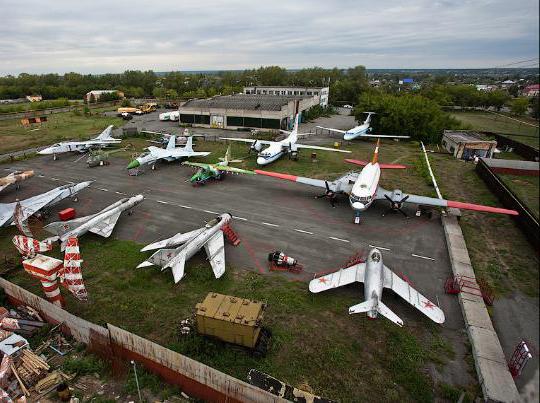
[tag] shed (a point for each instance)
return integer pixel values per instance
(465, 144)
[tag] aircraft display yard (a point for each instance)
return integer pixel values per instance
(316, 342)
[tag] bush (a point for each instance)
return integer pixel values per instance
(126, 102)
(85, 365)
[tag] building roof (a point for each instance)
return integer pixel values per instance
(243, 101)
(99, 92)
(465, 136)
(533, 87)
(285, 86)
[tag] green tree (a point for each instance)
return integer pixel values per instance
(410, 115)
(519, 106)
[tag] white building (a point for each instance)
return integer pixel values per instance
(320, 93)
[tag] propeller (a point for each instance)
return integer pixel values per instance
(396, 202)
(330, 194)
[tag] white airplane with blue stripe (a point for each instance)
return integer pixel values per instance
(360, 131)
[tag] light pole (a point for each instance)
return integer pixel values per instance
(136, 380)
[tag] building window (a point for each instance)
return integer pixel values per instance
(289, 92)
(309, 93)
(259, 92)
(316, 93)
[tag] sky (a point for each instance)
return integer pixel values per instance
(113, 36)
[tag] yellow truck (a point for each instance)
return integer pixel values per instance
(130, 110)
(233, 320)
(149, 107)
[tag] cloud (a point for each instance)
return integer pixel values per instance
(113, 36)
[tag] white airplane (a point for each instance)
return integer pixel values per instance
(103, 140)
(376, 276)
(32, 205)
(276, 149)
(13, 178)
(210, 236)
(101, 223)
(174, 116)
(363, 189)
(360, 131)
(170, 153)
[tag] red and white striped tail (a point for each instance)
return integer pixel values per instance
(29, 247)
(71, 275)
(20, 222)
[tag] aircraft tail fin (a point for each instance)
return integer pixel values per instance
(387, 312)
(368, 117)
(171, 145)
(376, 153)
(106, 134)
(189, 144)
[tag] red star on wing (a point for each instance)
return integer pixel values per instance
(323, 280)
(428, 304)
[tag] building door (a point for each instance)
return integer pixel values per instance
(216, 121)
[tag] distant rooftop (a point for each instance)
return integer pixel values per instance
(284, 86)
(465, 136)
(243, 101)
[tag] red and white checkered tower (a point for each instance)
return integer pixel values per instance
(71, 275)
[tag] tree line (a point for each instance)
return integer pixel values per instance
(345, 84)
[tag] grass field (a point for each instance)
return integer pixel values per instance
(315, 343)
(60, 126)
(524, 187)
(486, 121)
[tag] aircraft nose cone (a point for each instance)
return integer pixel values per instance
(261, 161)
(133, 164)
(45, 151)
(349, 136)
(358, 206)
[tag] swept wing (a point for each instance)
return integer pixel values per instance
(215, 250)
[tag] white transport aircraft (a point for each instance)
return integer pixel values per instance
(187, 244)
(363, 189)
(362, 130)
(276, 149)
(103, 140)
(376, 276)
(169, 153)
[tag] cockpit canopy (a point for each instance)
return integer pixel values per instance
(376, 256)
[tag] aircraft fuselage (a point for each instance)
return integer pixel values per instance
(373, 280)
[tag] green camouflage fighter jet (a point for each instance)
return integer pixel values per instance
(215, 171)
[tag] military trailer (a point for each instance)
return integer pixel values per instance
(234, 320)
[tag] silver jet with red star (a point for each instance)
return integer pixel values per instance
(376, 276)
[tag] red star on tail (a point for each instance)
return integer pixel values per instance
(428, 304)
(323, 280)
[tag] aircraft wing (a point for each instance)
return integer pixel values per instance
(6, 212)
(338, 278)
(177, 265)
(215, 250)
(321, 148)
(413, 297)
(105, 227)
(332, 130)
(196, 164)
(340, 185)
(2, 187)
(266, 142)
(432, 201)
(233, 169)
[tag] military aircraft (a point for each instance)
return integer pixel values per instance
(376, 276)
(363, 189)
(276, 149)
(170, 153)
(101, 223)
(215, 171)
(14, 177)
(32, 205)
(103, 140)
(211, 236)
(362, 130)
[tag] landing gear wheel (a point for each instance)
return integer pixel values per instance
(55, 157)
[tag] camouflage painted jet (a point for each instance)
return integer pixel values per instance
(215, 171)
(170, 153)
(32, 205)
(376, 276)
(14, 177)
(103, 140)
(363, 189)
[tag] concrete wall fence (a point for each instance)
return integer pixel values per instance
(117, 345)
(526, 220)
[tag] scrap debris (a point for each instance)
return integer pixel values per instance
(27, 373)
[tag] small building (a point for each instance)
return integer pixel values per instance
(507, 83)
(531, 90)
(465, 144)
(486, 87)
(270, 112)
(94, 95)
(34, 98)
(321, 93)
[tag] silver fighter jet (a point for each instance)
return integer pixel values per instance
(32, 205)
(102, 223)
(210, 236)
(376, 276)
